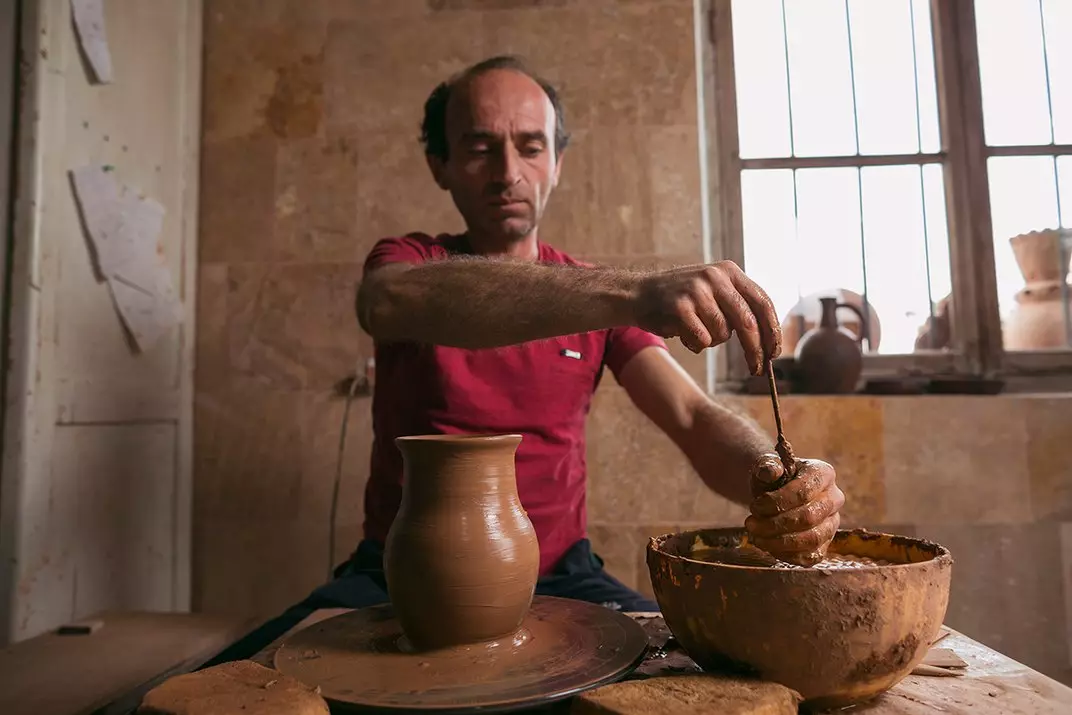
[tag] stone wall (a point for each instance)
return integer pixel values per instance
(310, 154)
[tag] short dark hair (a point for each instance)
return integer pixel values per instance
(434, 125)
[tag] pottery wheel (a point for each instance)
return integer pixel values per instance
(360, 660)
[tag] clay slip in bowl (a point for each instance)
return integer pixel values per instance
(836, 636)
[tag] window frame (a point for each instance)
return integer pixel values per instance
(976, 338)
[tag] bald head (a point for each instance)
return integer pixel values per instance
(436, 108)
(494, 138)
(499, 106)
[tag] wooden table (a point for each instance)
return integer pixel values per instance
(107, 672)
(993, 684)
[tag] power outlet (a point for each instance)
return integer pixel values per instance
(360, 384)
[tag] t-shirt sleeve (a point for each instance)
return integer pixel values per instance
(624, 343)
(394, 250)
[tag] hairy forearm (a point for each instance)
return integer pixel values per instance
(723, 445)
(483, 303)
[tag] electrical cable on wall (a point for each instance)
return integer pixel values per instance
(356, 384)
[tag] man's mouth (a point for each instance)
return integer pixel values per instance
(509, 206)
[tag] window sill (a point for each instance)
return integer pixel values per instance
(918, 382)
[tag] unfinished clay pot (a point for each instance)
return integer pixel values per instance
(461, 557)
(837, 636)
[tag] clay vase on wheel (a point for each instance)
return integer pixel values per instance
(461, 557)
(829, 358)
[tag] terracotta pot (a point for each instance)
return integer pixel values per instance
(1038, 254)
(828, 358)
(461, 556)
(1038, 320)
(836, 636)
(808, 313)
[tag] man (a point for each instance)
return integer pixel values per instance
(496, 331)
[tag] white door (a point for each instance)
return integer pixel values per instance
(96, 475)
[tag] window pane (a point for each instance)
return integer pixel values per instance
(882, 54)
(1013, 72)
(770, 245)
(1023, 198)
(828, 226)
(762, 86)
(1058, 16)
(925, 76)
(900, 207)
(818, 251)
(904, 222)
(820, 77)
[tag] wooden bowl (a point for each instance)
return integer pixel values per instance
(836, 636)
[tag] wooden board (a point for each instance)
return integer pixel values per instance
(111, 668)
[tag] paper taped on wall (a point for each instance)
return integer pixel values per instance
(89, 21)
(124, 230)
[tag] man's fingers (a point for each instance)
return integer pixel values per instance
(694, 333)
(737, 312)
(741, 319)
(763, 309)
(800, 542)
(813, 478)
(801, 518)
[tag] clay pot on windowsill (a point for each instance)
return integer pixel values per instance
(1038, 254)
(829, 358)
(808, 313)
(1038, 320)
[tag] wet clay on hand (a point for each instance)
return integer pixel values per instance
(791, 500)
(461, 557)
(794, 520)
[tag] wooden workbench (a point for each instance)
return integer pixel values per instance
(993, 684)
(108, 670)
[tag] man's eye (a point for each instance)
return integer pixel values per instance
(532, 150)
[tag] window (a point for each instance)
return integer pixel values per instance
(887, 152)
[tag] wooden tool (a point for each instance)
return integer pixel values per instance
(784, 449)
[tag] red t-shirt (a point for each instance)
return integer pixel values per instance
(540, 389)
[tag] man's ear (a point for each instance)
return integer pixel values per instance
(558, 168)
(438, 167)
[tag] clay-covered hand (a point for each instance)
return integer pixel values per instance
(705, 304)
(796, 521)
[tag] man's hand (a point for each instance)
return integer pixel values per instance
(703, 305)
(797, 521)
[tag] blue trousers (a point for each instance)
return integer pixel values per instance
(360, 583)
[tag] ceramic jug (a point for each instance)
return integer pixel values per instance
(1042, 306)
(829, 358)
(461, 557)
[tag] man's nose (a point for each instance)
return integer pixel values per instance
(508, 166)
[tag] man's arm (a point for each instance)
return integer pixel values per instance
(473, 302)
(733, 456)
(721, 445)
(489, 302)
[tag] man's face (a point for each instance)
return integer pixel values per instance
(501, 166)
